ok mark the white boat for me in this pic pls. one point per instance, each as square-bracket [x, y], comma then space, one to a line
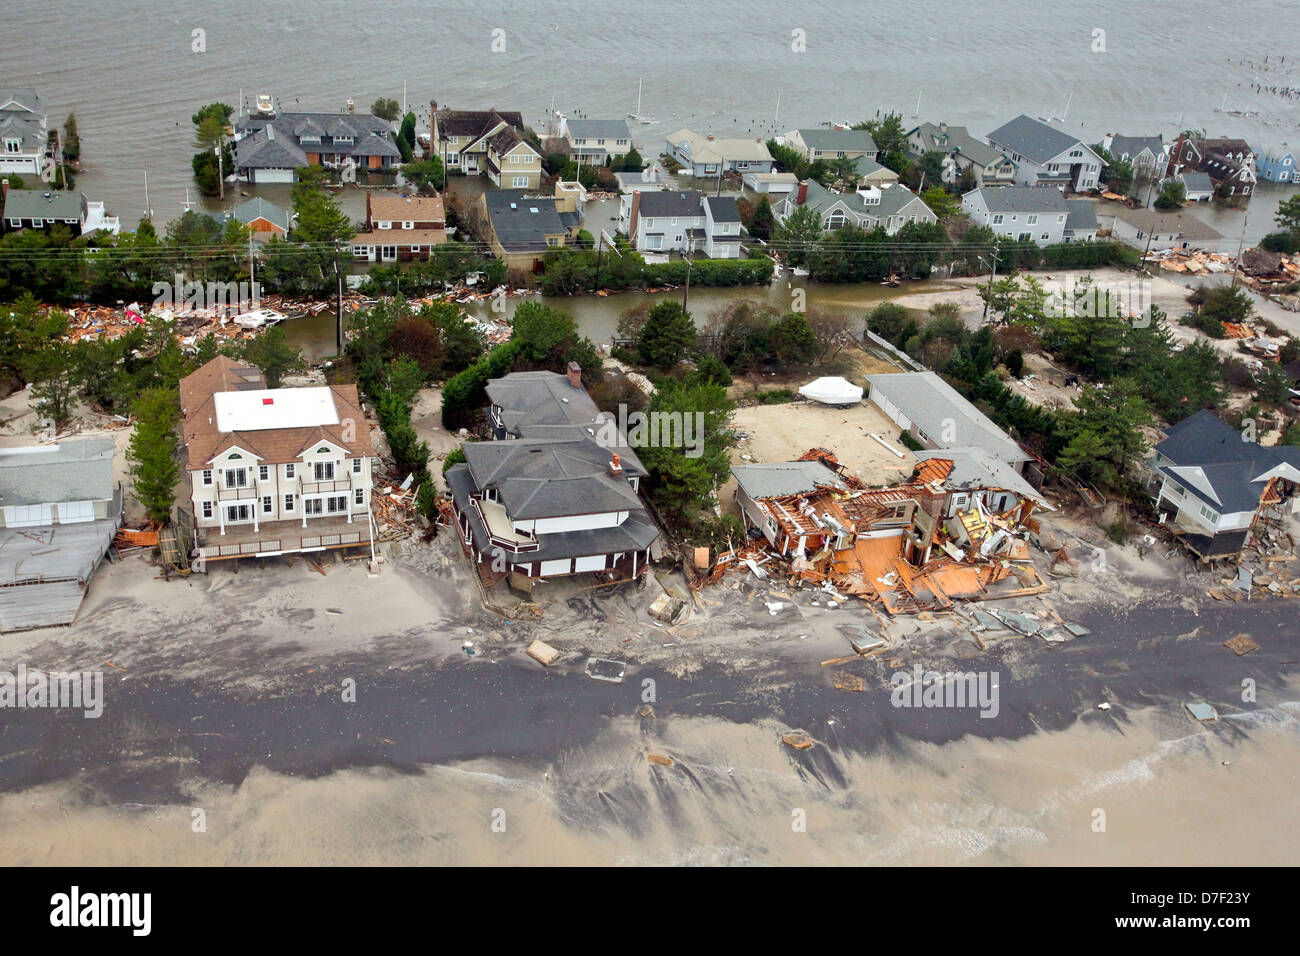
[259, 318]
[799, 271]
[644, 120]
[832, 390]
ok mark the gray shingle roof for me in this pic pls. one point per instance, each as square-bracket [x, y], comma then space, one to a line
[835, 140]
[44, 204]
[1082, 216]
[76, 470]
[666, 203]
[937, 409]
[522, 225]
[610, 129]
[976, 468]
[779, 478]
[259, 208]
[893, 199]
[1028, 137]
[946, 139]
[267, 150]
[723, 209]
[550, 477]
[1131, 146]
[1032, 199]
[1207, 451]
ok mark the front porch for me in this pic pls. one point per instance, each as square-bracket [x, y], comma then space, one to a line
[285, 537]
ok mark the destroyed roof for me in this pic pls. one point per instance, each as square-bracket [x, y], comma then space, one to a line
[76, 470]
[551, 477]
[974, 468]
[778, 479]
[1212, 460]
[936, 408]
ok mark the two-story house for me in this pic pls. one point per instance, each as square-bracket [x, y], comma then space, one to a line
[44, 209]
[271, 147]
[592, 141]
[1212, 486]
[819, 143]
[1045, 156]
[1019, 212]
[1278, 166]
[274, 471]
[59, 510]
[26, 147]
[708, 158]
[1148, 155]
[399, 228]
[988, 166]
[1230, 164]
[521, 228]
[664, 221]
[556, 493]
[472, 142]
[868, 207]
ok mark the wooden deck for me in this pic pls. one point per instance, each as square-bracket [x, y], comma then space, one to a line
[284, 537]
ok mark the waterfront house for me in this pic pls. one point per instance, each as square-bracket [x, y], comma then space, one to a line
[1230, 164]
[26, 147]
[686, 222]
[1212, 487]
[819, 143]
[1278, 166]
[1159, 231]
[592, 141]
[1081, 221]
[1197, 186]
[59, 510]
[400, 228]
[43, 209]
[868, 207]
[1045, 156]
[520, 228]
[988, 166]
[1020, 212]
[774, 184]
[486, 142]
[706, 157]
[274, 471]
[271, 147]
[264, 219]
[556, 492]
[1148, 155]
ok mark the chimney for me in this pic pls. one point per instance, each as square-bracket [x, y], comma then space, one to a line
[575, 375]
[802, 197]
[616, 466]
[4, 190]
[635, 216]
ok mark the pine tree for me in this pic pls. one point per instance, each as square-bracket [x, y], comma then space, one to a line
[152, 451]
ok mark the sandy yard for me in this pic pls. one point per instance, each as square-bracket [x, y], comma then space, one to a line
[784, 432]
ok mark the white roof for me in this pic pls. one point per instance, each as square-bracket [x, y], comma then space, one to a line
[275, 408]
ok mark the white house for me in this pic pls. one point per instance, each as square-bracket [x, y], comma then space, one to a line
[706, 157]
[274, 471]
[594, 140]
[1019, 212]
[1158, 231]
[664, 221]
[721, 227]
[25, 146]
[1045, 156]
[829, 144]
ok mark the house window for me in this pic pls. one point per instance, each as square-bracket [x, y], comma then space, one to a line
[207, 509]
[385, 224]
[15, 223]
[836, 221]
[1209, 515]
[267, 506]
[324, 470]
[408, 224]
[997, 220]
[313, 506]
[1044, 236]
[1032, 220]
[235, 513]
[37, 223]
[361, 496]
[207, 476]
[236, 478]
[520, 182]
[514, 160]
[263, 472]
[288, 471]
[288, 502]
[1024, 237]
[356, 466]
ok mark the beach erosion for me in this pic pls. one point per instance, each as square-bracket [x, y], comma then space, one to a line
[1161, 791]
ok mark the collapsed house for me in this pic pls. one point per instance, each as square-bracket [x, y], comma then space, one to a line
[942, 535]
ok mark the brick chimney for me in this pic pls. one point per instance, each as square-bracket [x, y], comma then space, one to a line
[575, 374]
[802, 196]
[636, 215]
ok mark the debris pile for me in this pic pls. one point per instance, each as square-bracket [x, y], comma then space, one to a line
[1196, 262]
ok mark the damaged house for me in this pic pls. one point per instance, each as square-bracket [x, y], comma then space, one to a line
[556, 492]
[1214, 489]
[914, 546]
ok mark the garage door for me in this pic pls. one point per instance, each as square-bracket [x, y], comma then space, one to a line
[72, 512]
[595, 562]
[26, 516]
[555, 567]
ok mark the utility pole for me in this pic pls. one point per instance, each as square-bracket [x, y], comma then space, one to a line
[1237, 263]
[989, 292]
[600, 244]
[338, 304]
[221, 172]
[689, 256]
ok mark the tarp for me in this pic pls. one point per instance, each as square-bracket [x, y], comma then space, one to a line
[832, 390]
